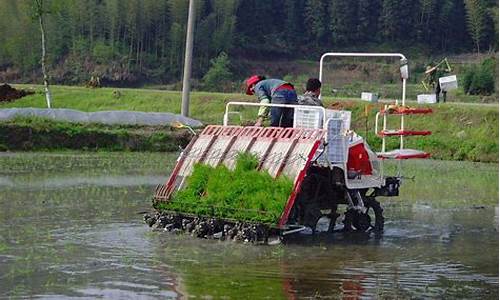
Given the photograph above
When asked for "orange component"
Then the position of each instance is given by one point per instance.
(403, 132)
(358, 160)
(405, 110)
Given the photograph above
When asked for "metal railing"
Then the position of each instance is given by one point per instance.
(404, 76)
(354, 54)
(227, 112)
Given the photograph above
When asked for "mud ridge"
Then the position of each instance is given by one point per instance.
(8, 93)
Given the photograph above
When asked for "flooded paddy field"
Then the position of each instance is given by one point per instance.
(71, 226)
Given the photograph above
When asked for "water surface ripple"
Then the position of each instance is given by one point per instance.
(70, 228)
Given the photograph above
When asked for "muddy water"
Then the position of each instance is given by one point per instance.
(69, 227)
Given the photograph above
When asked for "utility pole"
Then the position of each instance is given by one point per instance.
(188, 58)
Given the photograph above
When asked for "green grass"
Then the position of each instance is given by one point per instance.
(445, 184)
(242, 194)
(207, 107)
(460, 132)
(393, 91)
(43, 134)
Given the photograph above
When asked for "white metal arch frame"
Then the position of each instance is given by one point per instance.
(403, 61)
(361, 54)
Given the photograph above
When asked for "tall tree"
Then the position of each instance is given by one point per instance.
(389, 19)
(294, 23)
(147, 36)
(39, 12)
(363, 20)
(316, 20)
(476, 20)
(426, 19)
(494, 19)
(444, 18)
(343, 21)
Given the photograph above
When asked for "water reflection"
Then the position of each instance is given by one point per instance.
(72, 229)
(58, 182)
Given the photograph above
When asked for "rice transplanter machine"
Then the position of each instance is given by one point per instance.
(331, 166)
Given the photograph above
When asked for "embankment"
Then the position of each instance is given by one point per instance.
(467, 132)
(29, 134)
(459, 132)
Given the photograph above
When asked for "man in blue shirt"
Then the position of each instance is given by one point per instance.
(273, 91)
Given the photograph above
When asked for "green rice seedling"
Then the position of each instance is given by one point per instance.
(243, 194)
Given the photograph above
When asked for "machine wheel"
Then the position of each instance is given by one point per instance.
(359, 221)
(374, 205)
(355, 220)
(333, 219)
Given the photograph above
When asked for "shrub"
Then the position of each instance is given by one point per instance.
(218, 77)
(467, 78)
(480, 80)
(102, 53)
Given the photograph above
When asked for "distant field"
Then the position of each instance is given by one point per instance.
(459, 131)
(207, 107)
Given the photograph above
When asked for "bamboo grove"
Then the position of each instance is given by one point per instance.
(147, 36)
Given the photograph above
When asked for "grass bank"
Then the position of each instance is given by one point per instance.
(459, 131)
(33, 134)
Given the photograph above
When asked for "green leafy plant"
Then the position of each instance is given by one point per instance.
(480, 80)
(102, 52)
(243, 194)
(219, 75)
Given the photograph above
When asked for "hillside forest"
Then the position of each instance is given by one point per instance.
(138, 41)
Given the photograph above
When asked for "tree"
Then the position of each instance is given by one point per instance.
(219, 75)
(363, 21)
(389, 19)
(476, 17)
(316, 20)
(426, 18)
(444, 18)
(494, 19)
(343, 14)
(39, 13)
(294, 23)
(145, 38)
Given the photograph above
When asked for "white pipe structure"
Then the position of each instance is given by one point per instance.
(325, 122)
(226, 113)
(361, 54)
(354, 54)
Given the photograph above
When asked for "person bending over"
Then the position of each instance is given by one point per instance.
(275, 91)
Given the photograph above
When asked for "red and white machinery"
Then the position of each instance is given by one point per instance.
(331, 165)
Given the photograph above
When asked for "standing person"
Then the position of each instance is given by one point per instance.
(311, 95)
(273, 91)
(432, 75)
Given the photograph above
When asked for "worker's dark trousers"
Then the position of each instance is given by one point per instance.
(281, 116)
(438, 91)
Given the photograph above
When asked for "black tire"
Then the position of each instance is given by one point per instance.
(358, 221)
(362, 222)
(374, 205)
(333, 219)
